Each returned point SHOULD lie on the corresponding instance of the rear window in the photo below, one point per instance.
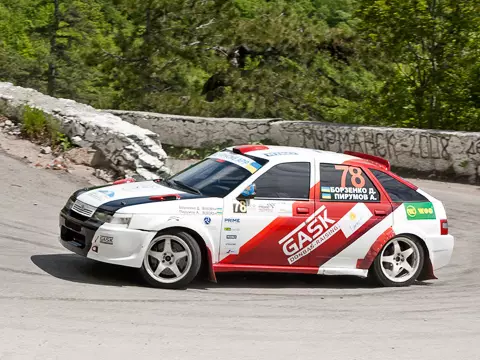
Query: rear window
(397, 191)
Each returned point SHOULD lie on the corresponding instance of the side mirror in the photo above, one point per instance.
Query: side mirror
(248, 193)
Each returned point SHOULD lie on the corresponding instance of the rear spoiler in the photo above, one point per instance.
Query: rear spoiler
(377, 159)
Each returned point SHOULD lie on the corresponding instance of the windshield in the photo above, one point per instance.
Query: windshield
(217, 176)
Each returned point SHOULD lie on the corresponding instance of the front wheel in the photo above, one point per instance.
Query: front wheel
(171, 261)
(400, 262)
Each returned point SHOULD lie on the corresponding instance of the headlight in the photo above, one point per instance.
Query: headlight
(102, 216)
(69, 204)
(121, 219)
(107, 217)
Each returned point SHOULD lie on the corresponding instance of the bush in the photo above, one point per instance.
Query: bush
(43, 128)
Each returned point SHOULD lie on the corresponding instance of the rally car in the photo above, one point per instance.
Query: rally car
(264, 209)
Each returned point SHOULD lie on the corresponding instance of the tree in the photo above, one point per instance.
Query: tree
(240, 58)
(430, 47)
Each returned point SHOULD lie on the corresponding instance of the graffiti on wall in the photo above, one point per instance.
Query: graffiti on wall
(388, 144)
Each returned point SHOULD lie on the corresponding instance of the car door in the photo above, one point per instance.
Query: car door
(351, 212)
(253, 229)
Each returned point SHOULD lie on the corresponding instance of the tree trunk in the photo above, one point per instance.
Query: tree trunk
(52, 64)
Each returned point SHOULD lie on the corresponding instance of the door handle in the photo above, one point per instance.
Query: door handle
(380, 212)
(302, 210)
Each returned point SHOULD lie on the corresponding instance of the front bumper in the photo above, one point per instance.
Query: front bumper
(103, 242)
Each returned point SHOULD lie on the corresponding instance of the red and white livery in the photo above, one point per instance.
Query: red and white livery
(264, 208)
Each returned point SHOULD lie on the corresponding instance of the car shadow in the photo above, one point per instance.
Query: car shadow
(75, 268)
(281, 281)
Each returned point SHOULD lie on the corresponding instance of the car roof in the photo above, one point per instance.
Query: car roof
(277, 154)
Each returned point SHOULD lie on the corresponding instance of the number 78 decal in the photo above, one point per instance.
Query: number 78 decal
(357, 178)
(240, 207)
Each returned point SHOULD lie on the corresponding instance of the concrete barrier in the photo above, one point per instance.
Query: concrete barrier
(127, 148)
(455, 155)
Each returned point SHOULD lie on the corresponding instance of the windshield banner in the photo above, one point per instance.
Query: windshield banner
(239, 160)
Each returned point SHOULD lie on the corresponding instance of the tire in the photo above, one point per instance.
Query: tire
(171, 266)
(395, 266)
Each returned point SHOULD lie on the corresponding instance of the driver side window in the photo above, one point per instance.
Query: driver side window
(285, 181)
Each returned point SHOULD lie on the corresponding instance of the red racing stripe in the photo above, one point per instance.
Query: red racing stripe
(375, 249)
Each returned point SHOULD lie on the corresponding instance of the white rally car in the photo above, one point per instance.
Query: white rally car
(265, 209)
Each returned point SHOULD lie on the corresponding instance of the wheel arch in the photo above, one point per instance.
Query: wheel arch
(427, 270)
(207, 264)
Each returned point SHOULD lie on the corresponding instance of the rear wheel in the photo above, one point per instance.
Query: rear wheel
(399, 263)
(172, 260)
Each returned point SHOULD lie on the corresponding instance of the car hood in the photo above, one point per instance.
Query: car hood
(106, 194)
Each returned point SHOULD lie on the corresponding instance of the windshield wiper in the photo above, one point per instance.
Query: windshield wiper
(188, 187)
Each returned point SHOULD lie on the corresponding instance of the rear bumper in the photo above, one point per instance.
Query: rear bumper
(441, 250)
(104, 242)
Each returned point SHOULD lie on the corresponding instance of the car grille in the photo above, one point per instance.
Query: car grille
(83, 209)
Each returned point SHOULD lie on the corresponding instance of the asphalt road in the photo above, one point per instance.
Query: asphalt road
(56, 305)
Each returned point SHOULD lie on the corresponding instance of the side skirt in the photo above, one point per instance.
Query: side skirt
(343, 271)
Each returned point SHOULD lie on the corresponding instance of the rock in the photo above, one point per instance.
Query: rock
(106, 175)
(77, 140)
(100, 161)
(2, 124)
(57, 164)
(8, 123)
(80, 156)
(46, 150)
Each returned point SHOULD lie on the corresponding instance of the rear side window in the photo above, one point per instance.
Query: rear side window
(285, 181)
(397, 191)
(346, 183)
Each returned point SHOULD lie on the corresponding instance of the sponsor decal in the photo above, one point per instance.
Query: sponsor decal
(189, 210)
(279, 153)
(231, 247)
(266, 208)
(319, 228)
(231, 229)
(240, 207)
(309, 235)
(325, 189)
(420, 211)
(207, 220)
(106, 240)
(174, 218)
(97, 196)
(355, 219)
(231, 220)
(239, 160)
(349, 193)
(211, 210)
(108, 193)
(141, 185)
(231, 237)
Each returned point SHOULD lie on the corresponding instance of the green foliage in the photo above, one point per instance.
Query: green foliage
(43, 128)
(405, 63)
(429, 51)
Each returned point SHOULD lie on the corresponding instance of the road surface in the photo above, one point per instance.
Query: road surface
(56, 305)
